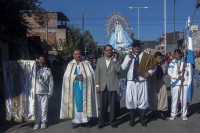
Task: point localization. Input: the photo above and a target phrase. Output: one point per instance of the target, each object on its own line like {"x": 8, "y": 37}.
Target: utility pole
{"x": 83, "y": 19}
{"x": 46, "y": 27}
{"x": 83, "y": 24}
{"x": 174, "y": 22}
{"x": 165, "y": 37}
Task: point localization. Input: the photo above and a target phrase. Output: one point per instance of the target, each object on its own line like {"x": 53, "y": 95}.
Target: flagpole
{"x": 165, "y": 37}
{"x": 174, "y": 22}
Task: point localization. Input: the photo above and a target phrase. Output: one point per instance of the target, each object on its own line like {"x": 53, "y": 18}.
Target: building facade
{"x": 52, "y": 29}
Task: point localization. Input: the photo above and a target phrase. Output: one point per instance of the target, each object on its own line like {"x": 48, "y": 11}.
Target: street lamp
{"x": 138, "y": 7}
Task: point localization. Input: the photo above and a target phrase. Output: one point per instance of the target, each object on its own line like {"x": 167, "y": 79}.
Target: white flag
{"x": 19, "y": 82}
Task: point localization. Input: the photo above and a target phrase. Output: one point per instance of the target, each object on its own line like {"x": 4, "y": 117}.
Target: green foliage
{"x": 13, "y": 27}
{"x": 90, "y": 44}
{"x": 197, "y": 3}
{"x": 74, "y": 40}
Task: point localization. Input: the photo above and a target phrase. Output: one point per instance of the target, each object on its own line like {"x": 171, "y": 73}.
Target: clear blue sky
{"x": 151, "y": 20}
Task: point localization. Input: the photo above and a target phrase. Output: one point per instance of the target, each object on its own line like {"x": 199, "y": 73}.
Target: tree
{"x": 90, "y": 43}
{"x": 197, "y": 3}
{"x": 64, "y": 48}
{"x": 13, "y": 27}
{"x": 74, "y": 40}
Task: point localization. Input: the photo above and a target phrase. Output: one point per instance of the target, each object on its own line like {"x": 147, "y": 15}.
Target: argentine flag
{"x": 190, "y": 60}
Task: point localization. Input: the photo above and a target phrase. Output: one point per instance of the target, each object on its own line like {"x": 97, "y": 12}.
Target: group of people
{"x": 88, "y": 91}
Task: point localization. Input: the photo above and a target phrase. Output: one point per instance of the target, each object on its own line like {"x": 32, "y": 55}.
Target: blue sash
{"x": 175, "y": 83}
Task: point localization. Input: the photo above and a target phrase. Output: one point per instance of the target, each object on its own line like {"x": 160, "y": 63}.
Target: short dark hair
{"x": 108, "y": 45}
{"x": 177, "y": 51}
{"x": 42, "y": 55}
{"x": 158, "y": 54}
{"x": 76, "y": 49}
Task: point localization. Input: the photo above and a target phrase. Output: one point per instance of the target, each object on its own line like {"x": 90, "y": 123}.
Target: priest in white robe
{"x": 79, "y": 99}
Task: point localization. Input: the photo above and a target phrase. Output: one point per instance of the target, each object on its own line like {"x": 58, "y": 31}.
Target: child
{"x": 179, "y": 84}
{"x": 44, "y": 89}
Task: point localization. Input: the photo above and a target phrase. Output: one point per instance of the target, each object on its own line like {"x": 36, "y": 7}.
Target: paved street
{"x": 64, "y": 126}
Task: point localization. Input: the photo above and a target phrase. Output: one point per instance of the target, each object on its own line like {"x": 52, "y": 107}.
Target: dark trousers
{"x": 107, "y": 98}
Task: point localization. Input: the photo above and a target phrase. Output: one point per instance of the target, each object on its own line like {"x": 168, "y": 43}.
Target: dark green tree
{"x": 75, "y": 40}
{"x": 13, "y": 26}
{"x": 90, "y": 43}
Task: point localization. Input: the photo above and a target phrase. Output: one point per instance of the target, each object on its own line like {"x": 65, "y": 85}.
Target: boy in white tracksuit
{"x": 44, "y": 89}
{"x": 179, "y": 93}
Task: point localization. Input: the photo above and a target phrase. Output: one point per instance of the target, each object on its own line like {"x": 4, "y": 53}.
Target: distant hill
{"x": 150, "y": 44}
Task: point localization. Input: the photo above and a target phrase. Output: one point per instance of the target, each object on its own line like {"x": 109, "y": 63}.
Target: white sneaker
{"x": 172, "y": 118}
{"x": 36, "y": 126}
{"x": 43, "y": 125}
{"x": 184, "y": 118}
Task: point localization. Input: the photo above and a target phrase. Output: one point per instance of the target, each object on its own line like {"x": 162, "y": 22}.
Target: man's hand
{"x": 181, "y": 78}
{"x": 114, "y": 57}
{"x": 79, "y": 77}
{"x": 49, "y": 95}
{"x": 146, "y": 75}
{"x": 97, "y": 89}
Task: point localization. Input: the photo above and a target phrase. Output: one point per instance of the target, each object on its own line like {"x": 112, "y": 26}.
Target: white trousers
{"x": 136, "y": 95}
{"x": 41, "y": 108}
{"x": 183, "y": 99}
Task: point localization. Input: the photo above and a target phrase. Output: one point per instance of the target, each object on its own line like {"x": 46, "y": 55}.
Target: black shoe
{"x": 162, "y": 116}
{"x": 198, "y": 112}
{"x": 101, "y": 125}
{"x": 132, "y": 123}
{"x": 113, "y": 125}
{"x": 143, "y": 123}
{"x": 155, "y": 118}
{"x": 74, "y": 125}
{"x": 88, "y": 125}
{"x": 154, "y": 115}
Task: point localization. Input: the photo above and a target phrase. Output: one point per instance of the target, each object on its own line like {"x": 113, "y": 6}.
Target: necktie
{"x": 135, "y": 68}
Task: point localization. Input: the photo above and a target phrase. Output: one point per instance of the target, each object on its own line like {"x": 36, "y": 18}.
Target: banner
{"x": 19, "y": 84}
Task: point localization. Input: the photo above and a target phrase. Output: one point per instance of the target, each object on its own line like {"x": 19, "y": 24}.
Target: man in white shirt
{"x": 136, "y": 90}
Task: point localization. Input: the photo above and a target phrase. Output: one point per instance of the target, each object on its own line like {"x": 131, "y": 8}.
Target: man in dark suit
{"x": 107, "y": 85}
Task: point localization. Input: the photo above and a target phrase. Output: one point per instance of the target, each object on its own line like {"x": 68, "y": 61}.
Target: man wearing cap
{"x": 140, "y": 66}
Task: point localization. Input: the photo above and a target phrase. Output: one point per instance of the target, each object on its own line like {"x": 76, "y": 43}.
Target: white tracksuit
{"x": 44, "y": 88}
{"x": 178, "y": 93}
